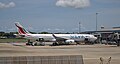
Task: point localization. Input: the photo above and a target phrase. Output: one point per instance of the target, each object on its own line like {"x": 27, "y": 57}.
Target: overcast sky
{"x": 58, "y": 15}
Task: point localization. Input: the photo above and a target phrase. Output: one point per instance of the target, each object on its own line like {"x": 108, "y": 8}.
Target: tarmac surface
{"x": 90, "y": 53}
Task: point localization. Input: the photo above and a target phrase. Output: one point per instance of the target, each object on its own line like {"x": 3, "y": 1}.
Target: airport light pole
{"x": 96, "y": 21}
{"x": 79, "y": 27}
{"x": 99, "y": 37}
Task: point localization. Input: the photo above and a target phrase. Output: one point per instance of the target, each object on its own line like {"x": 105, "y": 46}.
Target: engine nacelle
{"x": 53, "y": 40}
{"x": 70, "y": 41}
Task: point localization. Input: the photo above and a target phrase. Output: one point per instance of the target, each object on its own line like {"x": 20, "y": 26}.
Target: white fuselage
{"x": 49, "y": 37}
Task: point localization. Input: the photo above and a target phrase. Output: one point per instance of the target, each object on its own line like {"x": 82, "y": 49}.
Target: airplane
{"x": 55, "y": 38}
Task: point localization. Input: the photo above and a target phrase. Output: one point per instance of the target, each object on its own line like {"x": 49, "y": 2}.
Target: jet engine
{"x": 70, "y": 41}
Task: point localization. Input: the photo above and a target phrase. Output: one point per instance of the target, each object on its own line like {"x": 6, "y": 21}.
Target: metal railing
{"x": 71, "y": 59}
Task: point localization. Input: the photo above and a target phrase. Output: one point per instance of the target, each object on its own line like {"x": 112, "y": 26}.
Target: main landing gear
{"x": 36, "y": 43}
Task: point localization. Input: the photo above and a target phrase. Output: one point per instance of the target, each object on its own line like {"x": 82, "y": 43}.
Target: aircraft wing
{"x": 59, "y": 38}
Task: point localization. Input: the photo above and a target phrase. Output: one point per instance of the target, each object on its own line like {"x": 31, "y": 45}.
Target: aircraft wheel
{"x": 55, "y": 43}
{"x": 29, "y": 43}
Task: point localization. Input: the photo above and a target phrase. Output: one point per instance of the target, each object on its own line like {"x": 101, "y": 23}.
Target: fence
{"x": 70, "y": 59}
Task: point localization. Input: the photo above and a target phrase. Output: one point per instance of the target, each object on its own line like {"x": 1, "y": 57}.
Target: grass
{"x": 12, "y": 40}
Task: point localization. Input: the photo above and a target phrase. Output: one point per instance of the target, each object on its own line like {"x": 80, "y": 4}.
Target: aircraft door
{"x": 41, "y": 39}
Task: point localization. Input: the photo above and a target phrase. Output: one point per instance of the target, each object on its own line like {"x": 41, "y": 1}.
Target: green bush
{"x": 7, "y": 40}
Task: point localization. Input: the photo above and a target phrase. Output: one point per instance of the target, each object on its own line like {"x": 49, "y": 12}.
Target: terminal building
{"x": 105, "y": 34}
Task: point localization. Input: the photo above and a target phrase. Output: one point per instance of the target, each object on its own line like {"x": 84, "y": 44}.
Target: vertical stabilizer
{"x": 21, "y": 29}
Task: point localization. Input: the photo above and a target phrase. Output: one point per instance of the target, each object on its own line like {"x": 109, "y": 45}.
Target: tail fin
{"x": 20, "y": 28}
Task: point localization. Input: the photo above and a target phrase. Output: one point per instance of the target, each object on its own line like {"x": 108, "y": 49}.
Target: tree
{"x": 43, "y": 33}
{"x": 2, "y": 33}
